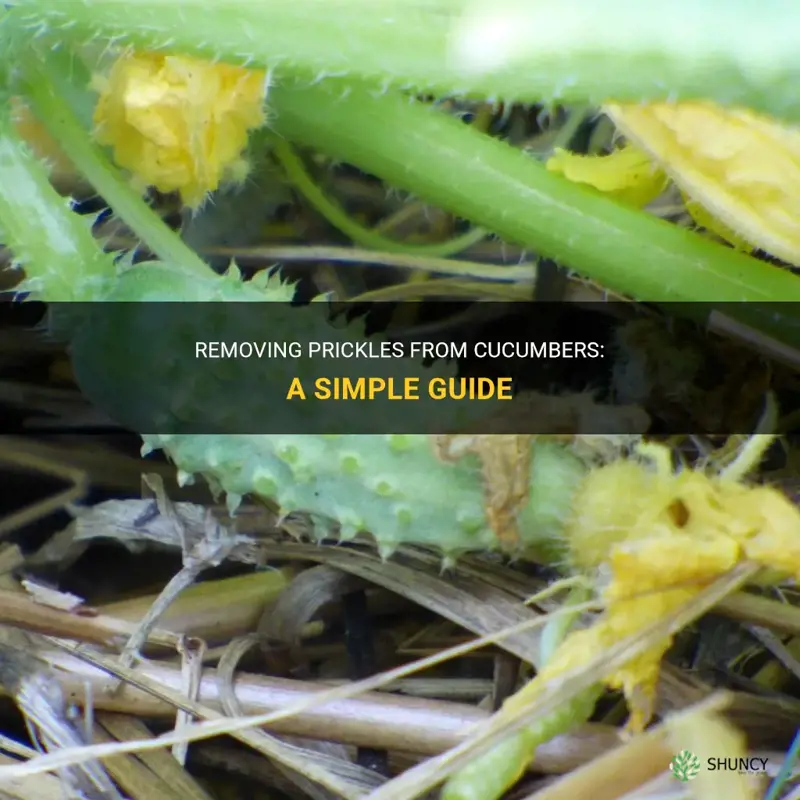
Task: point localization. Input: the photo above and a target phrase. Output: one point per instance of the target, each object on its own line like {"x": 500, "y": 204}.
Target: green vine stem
{"x": 522, "y": 50}
{"x": 417, "y": 148}
{"x": 45, "y": 81}
{"x": 62, "y": 260}
{"x": 447, "y": 163}
{"x": 339, "y": 218}
{"x": 492, "y": 774}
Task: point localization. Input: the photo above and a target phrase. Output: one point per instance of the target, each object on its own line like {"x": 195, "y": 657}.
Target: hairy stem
{"x": 46, "y": 83}
{"x": 449, "y": 164}
{"x": 62, "y": 260}
{"x": 523, "y": 50}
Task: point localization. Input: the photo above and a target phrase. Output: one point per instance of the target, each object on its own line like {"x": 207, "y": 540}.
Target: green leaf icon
{"x": 685, "y": 766}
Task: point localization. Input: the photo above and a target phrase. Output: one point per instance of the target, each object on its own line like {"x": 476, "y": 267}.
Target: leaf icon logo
{"x": 685, "y": 766}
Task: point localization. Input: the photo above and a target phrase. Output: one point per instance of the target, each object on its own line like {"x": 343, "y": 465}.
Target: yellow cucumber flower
{"x": 658, "y": 537}
{"x": 178, "y": 123}
{"x": 739, "y": 172}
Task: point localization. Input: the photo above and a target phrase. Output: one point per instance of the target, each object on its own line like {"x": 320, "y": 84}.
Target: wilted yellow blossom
{"x": 631, "y": 176}
{"x": 738, "y": 171}
{"x": 744, "y": 168}
{"x": 177, "y": 123}
{"x": 662, "y": 537}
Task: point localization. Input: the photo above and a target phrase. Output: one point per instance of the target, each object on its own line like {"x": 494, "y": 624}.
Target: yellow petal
{"x": 742, "y": 167}
{"x": 638, "y": 678}
{"x": 178, "y": 123}
{"x": 704, "y": 219}
{"x": 628, "y": 174}
{"x": 767, "y": 526}
{"x": 662, "y": 536}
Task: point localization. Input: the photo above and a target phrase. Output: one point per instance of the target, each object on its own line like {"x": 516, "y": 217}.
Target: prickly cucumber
{"x": 391, "y": 485}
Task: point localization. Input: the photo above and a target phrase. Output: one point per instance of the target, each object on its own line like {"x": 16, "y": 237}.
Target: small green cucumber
{"x": 390, "y": 485}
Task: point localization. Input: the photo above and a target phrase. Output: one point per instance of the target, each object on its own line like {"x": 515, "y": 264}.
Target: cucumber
{"x": 393, "y": 486}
